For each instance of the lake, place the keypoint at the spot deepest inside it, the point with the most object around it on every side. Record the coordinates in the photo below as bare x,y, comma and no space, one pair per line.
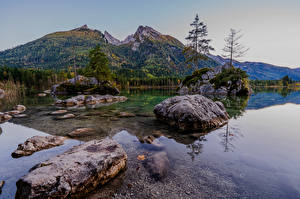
255,156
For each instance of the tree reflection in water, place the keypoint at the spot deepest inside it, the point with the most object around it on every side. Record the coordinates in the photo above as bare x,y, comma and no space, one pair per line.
196,147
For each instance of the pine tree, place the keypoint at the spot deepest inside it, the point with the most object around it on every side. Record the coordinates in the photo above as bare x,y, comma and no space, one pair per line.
233,49
98,65
198,45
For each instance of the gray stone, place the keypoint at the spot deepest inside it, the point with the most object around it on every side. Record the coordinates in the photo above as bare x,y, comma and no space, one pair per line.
66,116
191,112
20,116
90,100
4,117
75,172
58,112
158,165
204,86
81,132
20,108
37,143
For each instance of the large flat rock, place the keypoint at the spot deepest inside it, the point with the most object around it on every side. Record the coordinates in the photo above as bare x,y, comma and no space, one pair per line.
75,172
192,112
37,143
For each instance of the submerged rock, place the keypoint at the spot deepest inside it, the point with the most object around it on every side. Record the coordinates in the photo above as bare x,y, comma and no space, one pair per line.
81,100
75,172
126,114
66,116
191,112
81,132
13,112
20,116
37,143
1,185
158,165
4,117
59,112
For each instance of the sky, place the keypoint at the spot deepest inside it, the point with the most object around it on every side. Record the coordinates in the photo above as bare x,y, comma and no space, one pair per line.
271,28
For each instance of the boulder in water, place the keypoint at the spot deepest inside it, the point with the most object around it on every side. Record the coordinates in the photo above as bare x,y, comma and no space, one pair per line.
20,108
191,112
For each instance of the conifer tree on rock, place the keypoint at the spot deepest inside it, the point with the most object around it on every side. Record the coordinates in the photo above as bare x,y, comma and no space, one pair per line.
198,46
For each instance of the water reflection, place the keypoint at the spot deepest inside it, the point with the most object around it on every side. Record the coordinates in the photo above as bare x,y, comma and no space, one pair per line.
251,157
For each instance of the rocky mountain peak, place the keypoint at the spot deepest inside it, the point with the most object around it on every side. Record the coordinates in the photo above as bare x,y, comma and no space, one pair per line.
82,28
110,39
146,31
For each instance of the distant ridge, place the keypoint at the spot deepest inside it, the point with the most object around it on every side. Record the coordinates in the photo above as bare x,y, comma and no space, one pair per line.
262,71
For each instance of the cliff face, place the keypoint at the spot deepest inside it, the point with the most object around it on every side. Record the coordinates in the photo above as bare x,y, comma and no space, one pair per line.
221,80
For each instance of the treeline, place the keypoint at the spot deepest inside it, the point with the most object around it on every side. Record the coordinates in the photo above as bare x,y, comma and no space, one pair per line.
148,82
32,79
283,82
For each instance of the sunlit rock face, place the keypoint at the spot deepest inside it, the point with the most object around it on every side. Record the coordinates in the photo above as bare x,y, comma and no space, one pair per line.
75,172
191,112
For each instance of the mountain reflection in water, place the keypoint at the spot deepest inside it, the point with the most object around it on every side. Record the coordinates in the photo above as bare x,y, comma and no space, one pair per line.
254,156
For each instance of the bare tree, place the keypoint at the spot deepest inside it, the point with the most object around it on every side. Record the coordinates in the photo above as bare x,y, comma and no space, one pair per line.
198,43
233,49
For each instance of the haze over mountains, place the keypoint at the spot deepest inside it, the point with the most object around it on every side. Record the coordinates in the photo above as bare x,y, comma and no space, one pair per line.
146,52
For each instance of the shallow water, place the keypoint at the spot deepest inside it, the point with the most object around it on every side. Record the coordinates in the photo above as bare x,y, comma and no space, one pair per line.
255,156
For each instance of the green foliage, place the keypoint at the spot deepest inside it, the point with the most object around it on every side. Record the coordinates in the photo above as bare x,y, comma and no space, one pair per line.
228,75
197,75
33,79
98,65
285,81
154,58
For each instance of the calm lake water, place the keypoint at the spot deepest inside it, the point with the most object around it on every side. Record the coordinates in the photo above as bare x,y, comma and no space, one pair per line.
255,156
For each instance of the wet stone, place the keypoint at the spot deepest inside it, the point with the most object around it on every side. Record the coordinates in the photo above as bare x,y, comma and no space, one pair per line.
82,132
74,173
66,116
58,112
158,165
37,143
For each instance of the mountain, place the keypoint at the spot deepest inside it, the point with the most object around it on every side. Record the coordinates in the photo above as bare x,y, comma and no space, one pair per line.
147,52
261,71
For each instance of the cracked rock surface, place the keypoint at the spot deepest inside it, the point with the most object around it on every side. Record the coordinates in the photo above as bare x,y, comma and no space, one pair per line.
37,143
192,112
75,172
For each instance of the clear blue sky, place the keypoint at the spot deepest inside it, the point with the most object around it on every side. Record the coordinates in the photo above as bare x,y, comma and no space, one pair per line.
271,27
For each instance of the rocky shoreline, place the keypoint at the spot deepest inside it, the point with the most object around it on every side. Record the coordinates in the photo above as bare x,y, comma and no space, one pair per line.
90,100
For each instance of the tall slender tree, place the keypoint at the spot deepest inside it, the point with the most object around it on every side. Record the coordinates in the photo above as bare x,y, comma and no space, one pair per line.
198,44
98,65
233,49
